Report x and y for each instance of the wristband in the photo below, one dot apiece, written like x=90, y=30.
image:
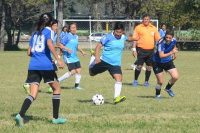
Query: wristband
x=133, y=49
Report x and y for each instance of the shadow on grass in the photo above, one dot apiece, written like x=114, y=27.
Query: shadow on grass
x=128, y=69
x=153, y=97
x=67, y=87
x=130, y=84
x=27, y=118
x=90, y=101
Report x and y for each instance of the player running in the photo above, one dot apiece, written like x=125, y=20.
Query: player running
x=69, y=46
x=163, y=60
x=41, y=66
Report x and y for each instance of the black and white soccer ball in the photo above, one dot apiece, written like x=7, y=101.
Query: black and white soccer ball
x=98, y=99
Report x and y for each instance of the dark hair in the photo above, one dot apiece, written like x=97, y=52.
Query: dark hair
x=73, y=23
x=65, y=27
x=119, y=25
x=145, y=15
x=44, y=20
x=161, y=25
x=54, y=21
x=169, y=32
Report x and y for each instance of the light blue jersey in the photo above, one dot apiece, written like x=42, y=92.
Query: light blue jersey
x=162, y=46
x=113, y=47
x=40, y=53
x=62, y=34
x=162, y=33
x=70, y=41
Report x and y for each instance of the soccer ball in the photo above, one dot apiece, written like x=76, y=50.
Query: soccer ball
x=98, y=99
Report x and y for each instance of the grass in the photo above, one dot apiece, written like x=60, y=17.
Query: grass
x=139, y=113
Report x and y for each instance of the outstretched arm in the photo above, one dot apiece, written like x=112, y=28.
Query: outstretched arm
x=97, y=53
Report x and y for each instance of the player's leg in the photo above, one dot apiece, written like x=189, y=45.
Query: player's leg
x=116, y=73
x=33, y=79
x=78, y=78
x=50, y=77
x=70, y=73
x=174, y=77
x=139, y=63
x=98, y=68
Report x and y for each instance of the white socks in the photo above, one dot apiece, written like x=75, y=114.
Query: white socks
x=92, y=61
x=77, y=78
x=118, y=87
x=65, y=76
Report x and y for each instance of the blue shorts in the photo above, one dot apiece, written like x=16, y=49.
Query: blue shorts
x=104, y=66
x=159, y=67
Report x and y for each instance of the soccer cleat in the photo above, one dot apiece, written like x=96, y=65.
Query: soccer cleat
x=58, y=121
x=78, y=88
x=19, y=120
x=92, y=52
x=50, y=90
x=146, y=84
x=135, y=83
x=26, y=88
x=158, y=97
x=170, y=92
x=119, y=99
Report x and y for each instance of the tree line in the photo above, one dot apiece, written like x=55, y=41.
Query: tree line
x=14, y=14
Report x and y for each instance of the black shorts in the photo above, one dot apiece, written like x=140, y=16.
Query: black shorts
x=103, y=66
x=159, y=67
x=75, y=65
x=144, y=56
x=35, y=76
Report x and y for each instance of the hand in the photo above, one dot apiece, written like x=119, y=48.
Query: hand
x=175, y=50
x=134, y=54
x=174, y=56
x=83, y=53
x=60, y=64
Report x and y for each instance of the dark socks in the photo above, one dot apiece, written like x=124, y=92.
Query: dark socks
x=137, y=73
x=26, y=105
x=56, y=105
x=147, y=75
x=169, y=86
x=76, y=85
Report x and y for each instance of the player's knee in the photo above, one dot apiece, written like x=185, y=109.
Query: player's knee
x=148, y=68
x=175, y=77
x=138, y=67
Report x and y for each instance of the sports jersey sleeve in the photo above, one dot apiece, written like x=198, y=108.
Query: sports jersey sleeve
x=136, y=33
x=31, y=41
x=156, y=35
x=64, y=40
x=104, y=40
x=160, y=47
x=48, y=34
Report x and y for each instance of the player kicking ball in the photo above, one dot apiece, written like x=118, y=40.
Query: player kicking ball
x=110, y=60
x=163, y=60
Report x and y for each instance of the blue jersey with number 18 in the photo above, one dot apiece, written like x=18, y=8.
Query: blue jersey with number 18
x=40, y=53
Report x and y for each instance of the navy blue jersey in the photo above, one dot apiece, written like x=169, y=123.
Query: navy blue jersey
x=162, y=46
x=40, y=53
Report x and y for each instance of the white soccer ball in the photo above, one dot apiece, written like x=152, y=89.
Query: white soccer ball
x=98, y=99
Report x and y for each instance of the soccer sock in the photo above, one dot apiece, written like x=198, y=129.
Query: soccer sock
x=56, y=105
x=92, y=61
x=137, y=73
x=118, y=87
x=169, y=86
x=147, y=75
x=158, y=89
x=65, y=76
x=26, y=105
x=77, y=79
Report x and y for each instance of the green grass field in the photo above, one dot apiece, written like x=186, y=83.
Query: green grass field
x=140, y=113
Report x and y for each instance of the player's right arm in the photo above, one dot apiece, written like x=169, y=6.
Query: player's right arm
x=97, y=53
x=29, y=51
x=133, y=49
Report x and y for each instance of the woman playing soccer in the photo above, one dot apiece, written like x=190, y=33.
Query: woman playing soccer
x=41, y=67
x=113, y=44
x=163, y=60
x=69, y=45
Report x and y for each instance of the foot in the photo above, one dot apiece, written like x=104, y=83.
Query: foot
x=146, y=84
x=78, y=88
x=119, y=99
x=50, y=90
x=170, y=92
x=19, y=120
x=26, y=88
x=133, y=66
x=158, y=97
x=135, y=83
x=58, y=121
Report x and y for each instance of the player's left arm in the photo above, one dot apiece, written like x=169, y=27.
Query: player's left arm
x=80, y=49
